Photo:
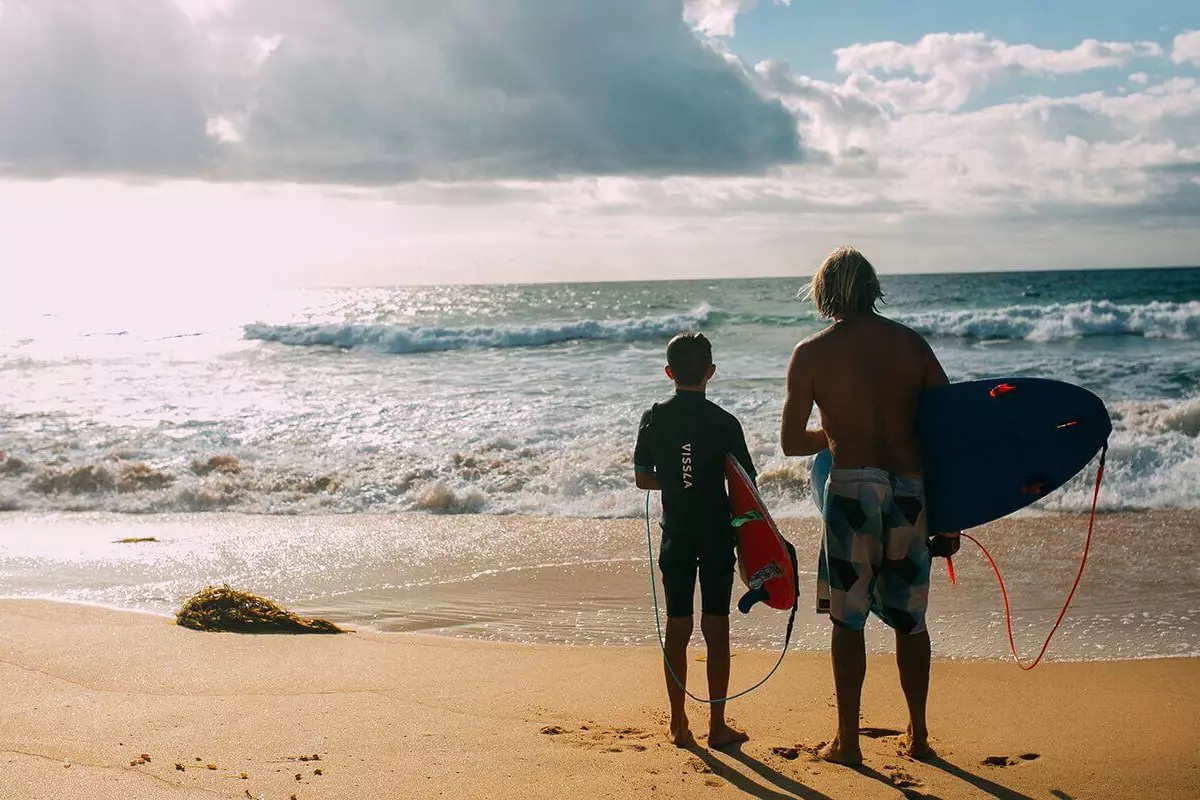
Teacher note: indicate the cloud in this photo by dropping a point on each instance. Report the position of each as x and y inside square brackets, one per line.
[1186, 48]
[716, 17]
[1140, 78]
[100, 86]
[951, 67]
[375, 91]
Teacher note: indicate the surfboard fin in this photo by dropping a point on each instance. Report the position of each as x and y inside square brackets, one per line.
[751, 597]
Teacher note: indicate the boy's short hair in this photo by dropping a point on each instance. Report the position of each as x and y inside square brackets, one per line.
[845, 285]
[689, 355]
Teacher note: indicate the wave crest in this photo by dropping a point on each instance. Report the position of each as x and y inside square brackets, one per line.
[401, 339]
[1158, 320]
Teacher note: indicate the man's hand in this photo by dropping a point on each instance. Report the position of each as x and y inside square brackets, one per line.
[944, 545]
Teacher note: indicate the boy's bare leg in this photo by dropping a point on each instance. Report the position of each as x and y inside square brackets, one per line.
[912, 657]
[716, 636]
[679, 633]
[849, 672]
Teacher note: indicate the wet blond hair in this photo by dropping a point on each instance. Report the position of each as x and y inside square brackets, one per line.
[845, 285]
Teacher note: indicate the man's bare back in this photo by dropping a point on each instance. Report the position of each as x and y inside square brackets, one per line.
[865, 374]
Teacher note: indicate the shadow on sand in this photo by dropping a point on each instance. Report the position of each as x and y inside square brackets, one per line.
[978, 781]
[790, 787]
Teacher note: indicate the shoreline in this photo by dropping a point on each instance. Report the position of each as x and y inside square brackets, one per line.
[422, 716]
[586, 581]
[366, 628]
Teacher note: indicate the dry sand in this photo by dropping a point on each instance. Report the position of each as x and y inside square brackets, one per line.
[87, 691]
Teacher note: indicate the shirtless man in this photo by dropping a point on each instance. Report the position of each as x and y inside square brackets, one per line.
[865, 373]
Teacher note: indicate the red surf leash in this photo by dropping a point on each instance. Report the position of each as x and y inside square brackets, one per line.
[1004, 592]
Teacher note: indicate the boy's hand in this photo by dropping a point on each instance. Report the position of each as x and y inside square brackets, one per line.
[944, 545]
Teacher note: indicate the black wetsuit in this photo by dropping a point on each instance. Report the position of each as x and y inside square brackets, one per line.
[684, 442]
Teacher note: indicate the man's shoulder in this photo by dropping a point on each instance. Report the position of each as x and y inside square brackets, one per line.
[899, 327]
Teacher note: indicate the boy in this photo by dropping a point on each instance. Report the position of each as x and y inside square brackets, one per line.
[681, 448]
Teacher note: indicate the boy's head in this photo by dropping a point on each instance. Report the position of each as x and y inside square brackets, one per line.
[689, 359]
[845, 285]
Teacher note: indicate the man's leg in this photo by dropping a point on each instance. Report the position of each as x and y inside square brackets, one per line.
[851, 555]
[679, 633]
[903, 597]
[912, 657]
[849, 671]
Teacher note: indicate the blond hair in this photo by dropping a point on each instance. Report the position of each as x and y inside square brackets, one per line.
[845, 285]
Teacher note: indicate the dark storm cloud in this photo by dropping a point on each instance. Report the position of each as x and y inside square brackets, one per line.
[376, 91]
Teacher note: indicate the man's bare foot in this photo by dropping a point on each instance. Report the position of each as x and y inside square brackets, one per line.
[722, 735]
[918, 745]
[833, 751]
[681, 734]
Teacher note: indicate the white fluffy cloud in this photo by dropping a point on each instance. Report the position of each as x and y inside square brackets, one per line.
[717, 17]
[911, 143]
[1186, 48]
[375, 91]
[950, 67]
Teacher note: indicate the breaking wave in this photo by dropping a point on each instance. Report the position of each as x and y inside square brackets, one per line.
[400, 339]
[1154, 462]
[1056, 322]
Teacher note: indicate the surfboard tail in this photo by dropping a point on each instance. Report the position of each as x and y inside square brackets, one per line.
[750, 598]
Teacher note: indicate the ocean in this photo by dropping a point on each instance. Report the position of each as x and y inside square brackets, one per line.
[504, 401]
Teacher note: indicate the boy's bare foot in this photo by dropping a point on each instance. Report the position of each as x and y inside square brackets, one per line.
[918, 746]
[834, 752]
[681, 734]
[722, 735]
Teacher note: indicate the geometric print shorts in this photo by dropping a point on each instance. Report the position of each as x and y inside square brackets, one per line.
[873, 554]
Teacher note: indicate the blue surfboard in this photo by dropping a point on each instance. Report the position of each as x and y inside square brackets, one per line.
[992, 447]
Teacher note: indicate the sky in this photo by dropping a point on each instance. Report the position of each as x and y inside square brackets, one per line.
[383, 142]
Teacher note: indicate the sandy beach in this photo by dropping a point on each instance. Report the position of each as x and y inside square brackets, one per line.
[89, 690]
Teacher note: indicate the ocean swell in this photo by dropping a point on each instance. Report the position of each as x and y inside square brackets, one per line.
[402, 339]
[1060, 321]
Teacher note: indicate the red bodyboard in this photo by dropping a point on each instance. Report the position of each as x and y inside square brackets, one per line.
[762, 553]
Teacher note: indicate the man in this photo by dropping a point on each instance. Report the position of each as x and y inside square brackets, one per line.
[866, 373]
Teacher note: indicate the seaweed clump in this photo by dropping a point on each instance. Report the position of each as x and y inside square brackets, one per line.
[232, 611]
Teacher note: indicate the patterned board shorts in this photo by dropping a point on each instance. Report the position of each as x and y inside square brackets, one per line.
[873, 555]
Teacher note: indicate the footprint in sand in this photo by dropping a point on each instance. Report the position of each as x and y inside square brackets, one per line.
[600, 737]
[808, 751]
[1008, 761]
[899, 778]
[879, 733]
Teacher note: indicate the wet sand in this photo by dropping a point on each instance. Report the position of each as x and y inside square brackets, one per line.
[587, 581]
[89, 690]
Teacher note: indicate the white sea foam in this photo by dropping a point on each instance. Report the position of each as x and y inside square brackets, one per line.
[1048, 323]
[401, 339]
[1153, 462]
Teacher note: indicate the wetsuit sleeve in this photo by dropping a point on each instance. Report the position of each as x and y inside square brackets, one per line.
[739, 449]
[643, 453]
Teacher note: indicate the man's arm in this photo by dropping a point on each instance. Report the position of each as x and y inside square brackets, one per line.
[943, 545]
[934, 374]
[794, 434]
